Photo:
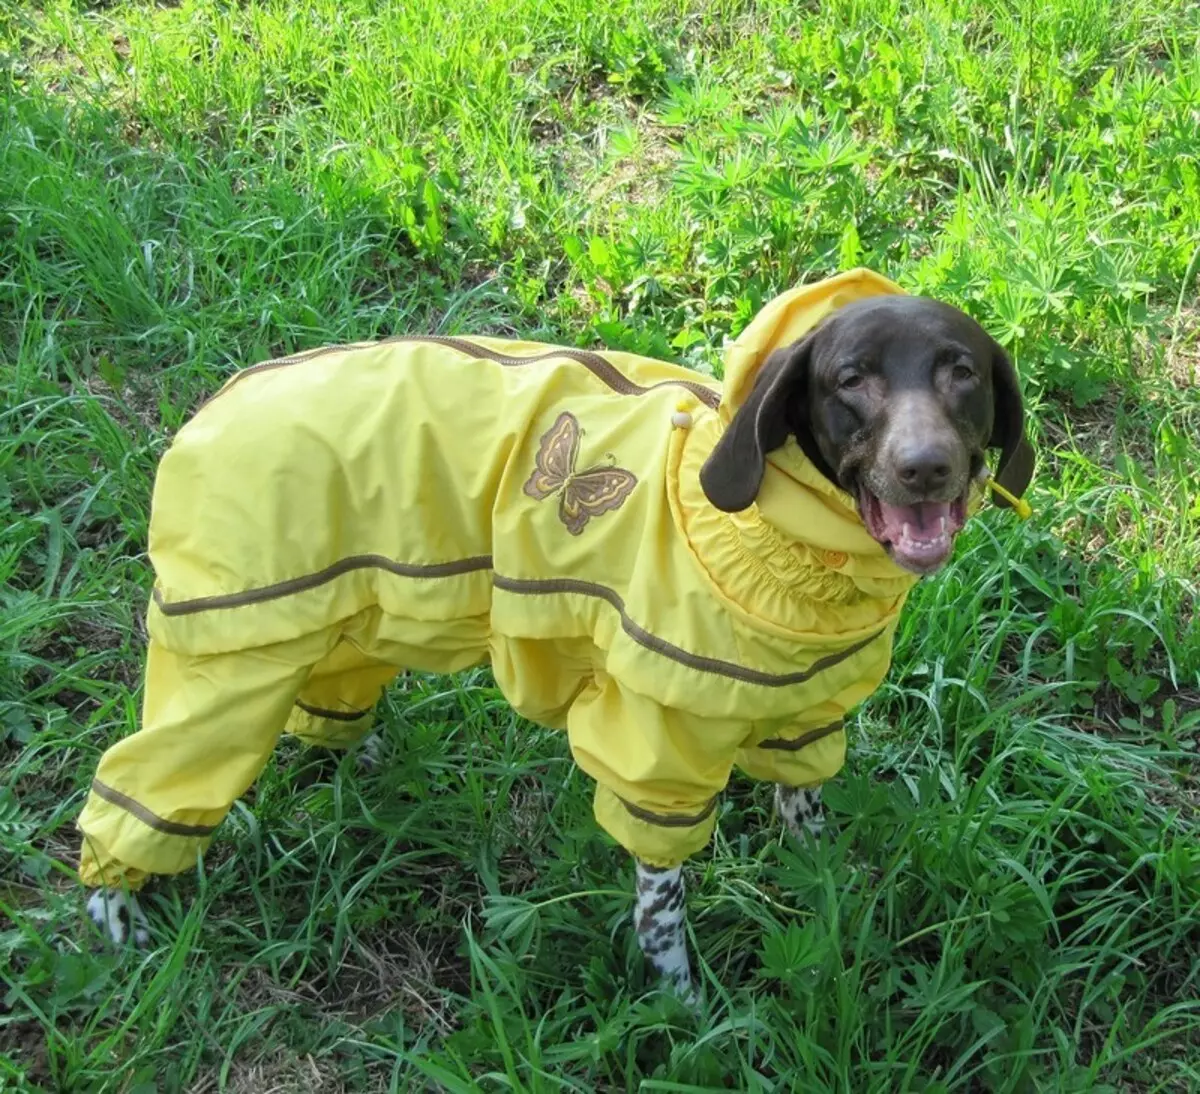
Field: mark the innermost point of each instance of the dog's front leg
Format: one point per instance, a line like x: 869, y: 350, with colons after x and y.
x: 801, y: 810
x: 660, y: 919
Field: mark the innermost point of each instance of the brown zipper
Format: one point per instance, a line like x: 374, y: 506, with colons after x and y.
x: 601, y: 368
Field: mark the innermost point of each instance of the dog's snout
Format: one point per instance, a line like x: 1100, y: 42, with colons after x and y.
x: 925, y: 467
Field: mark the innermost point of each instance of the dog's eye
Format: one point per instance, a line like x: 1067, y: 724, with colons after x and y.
x: 850, y: 381
x: 962, y: 373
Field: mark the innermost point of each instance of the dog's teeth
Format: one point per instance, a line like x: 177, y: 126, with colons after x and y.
x: 943, y: 525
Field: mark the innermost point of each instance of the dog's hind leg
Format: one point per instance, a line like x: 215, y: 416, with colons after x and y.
x: 118, y: 914
x: 209, y: 725
x: 336, y: 705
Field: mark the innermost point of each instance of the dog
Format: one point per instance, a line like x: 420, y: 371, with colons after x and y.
x: 686, y: 576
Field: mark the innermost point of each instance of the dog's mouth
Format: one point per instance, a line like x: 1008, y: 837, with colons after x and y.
x: 919, y: 536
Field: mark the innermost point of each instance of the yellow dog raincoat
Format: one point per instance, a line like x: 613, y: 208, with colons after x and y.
x: 332, y: 518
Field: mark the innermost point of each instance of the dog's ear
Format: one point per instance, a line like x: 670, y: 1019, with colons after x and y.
x: 733, y: 473
x: 1015, y: 471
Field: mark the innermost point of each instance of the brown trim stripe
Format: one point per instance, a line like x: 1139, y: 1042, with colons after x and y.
x: 151, y: 820
x: 332, y: 715
x: 600, y: 367
x: 794, y: 744
x: 669, y: 820
x: 667, y: 649
x: 551, y: 586
x: 321, y: 577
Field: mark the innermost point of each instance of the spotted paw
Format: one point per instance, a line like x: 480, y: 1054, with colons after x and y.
x: 801, y: 811
x: 684, y: 987
x: 118, y: 914
x: 370, y: 753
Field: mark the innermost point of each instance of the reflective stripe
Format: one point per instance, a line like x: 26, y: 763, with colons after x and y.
x: 667, y: 649
x: 669, y: 820
x: 522, y: 586
x: 332, y: 715
x: 794, y: 744
x: 151, y: 820
x: 312, y: 581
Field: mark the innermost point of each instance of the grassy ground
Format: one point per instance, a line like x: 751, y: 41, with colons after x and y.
x: 1012, y: 902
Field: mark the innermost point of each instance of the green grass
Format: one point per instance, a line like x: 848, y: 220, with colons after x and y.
x: 1012, y: 900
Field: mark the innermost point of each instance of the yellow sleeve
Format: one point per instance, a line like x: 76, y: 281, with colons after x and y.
x: 658, y: 771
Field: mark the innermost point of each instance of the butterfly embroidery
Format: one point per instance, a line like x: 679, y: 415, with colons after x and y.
x: 582, y: 494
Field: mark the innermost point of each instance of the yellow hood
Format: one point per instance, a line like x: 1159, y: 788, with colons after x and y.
x: 786, y: 319
x: 795, y: 498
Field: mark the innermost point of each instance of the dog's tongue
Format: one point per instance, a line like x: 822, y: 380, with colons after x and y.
x: 920, y: 534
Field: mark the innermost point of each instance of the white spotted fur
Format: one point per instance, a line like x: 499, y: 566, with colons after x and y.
x: 660, y: 918
x: 105, y: 908
x: 800, y: 808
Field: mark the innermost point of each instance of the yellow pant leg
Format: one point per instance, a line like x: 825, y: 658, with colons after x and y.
x: 336, y: 705
x: 805, y: 758
x: 209, y: 725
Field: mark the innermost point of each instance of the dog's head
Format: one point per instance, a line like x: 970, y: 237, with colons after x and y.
x: 895, y: 399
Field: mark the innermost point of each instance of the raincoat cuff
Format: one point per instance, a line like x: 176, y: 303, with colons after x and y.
x: 802, y: 758
x: 655, y: 836
x: 98, y: 869
x: 328, y: 728
x: 123, y: 842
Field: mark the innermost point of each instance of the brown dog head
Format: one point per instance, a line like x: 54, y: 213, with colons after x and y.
x: 895, y: 399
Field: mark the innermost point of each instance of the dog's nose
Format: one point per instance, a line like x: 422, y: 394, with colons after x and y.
x: 924, y: 469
